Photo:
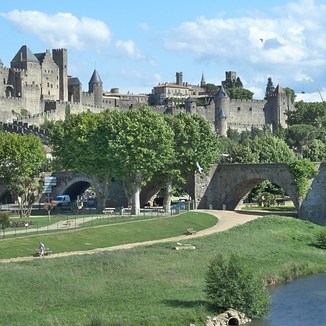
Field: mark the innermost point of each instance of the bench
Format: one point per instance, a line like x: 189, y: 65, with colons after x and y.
x: 109, y: 210
x: 67, y: 224
x: 47, y: 252
x: 190, y: 231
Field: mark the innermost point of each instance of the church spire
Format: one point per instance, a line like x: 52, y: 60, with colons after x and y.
x: 202, y: 82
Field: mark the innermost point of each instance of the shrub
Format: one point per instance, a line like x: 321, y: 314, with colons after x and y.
x: 4, y: 219
x: 231, y: 284
x: 321, y: 239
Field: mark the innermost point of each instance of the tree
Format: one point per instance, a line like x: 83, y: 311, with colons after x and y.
x: 300, y: 136
x: 230, y: 283
x: 308, y: 113
x: 239, y: 93
x: 266, y: 149
x: 316, y: 151
x: 22, y: 158
x: 269, y: 88
x: 211, y: 89
x: 194, y: 142
x: 143, y: 146
x: 290, y: 93
x: 73, y: 142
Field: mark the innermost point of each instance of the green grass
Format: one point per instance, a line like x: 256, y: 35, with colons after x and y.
x: 153, y: 285
x: 107, y: 236
x: 275, y: 209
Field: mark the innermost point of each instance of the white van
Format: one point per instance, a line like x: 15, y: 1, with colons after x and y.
x: 62, y: 200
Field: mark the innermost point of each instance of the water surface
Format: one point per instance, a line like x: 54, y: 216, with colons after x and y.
x: 299, y: 303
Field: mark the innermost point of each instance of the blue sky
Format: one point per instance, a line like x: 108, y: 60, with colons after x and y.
x: 134, y: 45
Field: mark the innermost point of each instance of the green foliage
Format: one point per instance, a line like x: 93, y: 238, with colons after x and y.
x: 300, y: 136
x: 290, y: 94
x: 321, y: 239
x: 22, y: 159
x: 316, y: 151
x: 302, y: 171
x: 265, y: 149
x: 24, y: 112
x: 269, y: 88
x: 4, y: 219
x: 211, y: 89
x: 308, y: 113
x: 67, y: 111
x: 239, y: 93
x: 231, y: 284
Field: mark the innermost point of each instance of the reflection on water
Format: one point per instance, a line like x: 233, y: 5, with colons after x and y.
x: 299, y: 303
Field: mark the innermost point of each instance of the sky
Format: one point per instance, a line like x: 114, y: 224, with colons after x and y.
x: 135, y: 45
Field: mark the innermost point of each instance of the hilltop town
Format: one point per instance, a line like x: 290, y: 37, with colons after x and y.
x: 37, y: 88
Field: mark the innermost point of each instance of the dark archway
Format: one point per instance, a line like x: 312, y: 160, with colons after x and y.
x: 76, y: 189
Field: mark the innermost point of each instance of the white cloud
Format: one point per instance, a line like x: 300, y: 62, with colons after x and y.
x: 144, y: 26
x: 296, y: 38
x: 129, y: 49
x: 62, y: 29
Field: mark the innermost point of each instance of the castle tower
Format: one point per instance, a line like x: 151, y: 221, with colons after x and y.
x: 222, y: 125
x: 95, y: 86
x: 74, y: 90
x: 179, y: 78
x: 222, y: 108
x: 60, y: 57
x: 190, y: 105
x: 25, y: 78
x: 278, y: 103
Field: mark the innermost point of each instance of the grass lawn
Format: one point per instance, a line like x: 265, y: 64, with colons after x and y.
x: 153, y: 285
x: 107, y: 236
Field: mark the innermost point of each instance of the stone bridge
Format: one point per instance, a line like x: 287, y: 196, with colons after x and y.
x: 224, y: 187
x: 227, y: 184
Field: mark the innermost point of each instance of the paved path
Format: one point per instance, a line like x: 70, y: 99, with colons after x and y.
x: 226, y: 220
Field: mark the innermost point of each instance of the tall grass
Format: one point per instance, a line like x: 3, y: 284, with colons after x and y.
x: 154, y: 285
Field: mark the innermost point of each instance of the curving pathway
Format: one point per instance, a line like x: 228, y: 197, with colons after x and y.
x: 226, y: 220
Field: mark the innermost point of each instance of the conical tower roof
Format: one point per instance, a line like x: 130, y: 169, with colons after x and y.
x: 95, y: 79
x: 221, y: 93
x: 24, y: 55
x: 1, y: 63
x: 279, y: 90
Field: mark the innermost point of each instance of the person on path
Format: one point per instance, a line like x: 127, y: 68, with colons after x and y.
x: 42, y: 249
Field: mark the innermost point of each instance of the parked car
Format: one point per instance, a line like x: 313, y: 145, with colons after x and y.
x: 62, y: 200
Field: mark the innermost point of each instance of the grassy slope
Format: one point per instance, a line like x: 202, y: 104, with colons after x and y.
x: 155, y: 285
x: 107, y: 236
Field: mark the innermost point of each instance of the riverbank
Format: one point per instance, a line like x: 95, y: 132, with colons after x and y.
x: 152, y: 284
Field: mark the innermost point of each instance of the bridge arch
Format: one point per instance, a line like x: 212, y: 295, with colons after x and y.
x: 227, y: 184
x: 71, y: 183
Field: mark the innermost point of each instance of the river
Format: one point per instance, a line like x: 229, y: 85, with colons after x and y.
x: 299, y: 303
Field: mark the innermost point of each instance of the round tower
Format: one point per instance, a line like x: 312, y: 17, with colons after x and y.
x: 190, y: 105
x: 95, y: 87
x: 222, y: 105
x: 222, y: 125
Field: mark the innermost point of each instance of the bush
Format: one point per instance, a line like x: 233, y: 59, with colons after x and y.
x: 231, y: 284
x: 4, y: 219
x: 321, y: 239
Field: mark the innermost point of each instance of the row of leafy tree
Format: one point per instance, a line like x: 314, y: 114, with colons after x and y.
x: 139, y: 145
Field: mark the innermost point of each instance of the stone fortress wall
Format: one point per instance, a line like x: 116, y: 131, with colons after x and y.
x: 37, y: 88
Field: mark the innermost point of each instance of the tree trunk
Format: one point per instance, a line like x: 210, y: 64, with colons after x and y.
x: 168, y: 196
x: 103, y: 191
x: 136, y: 188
